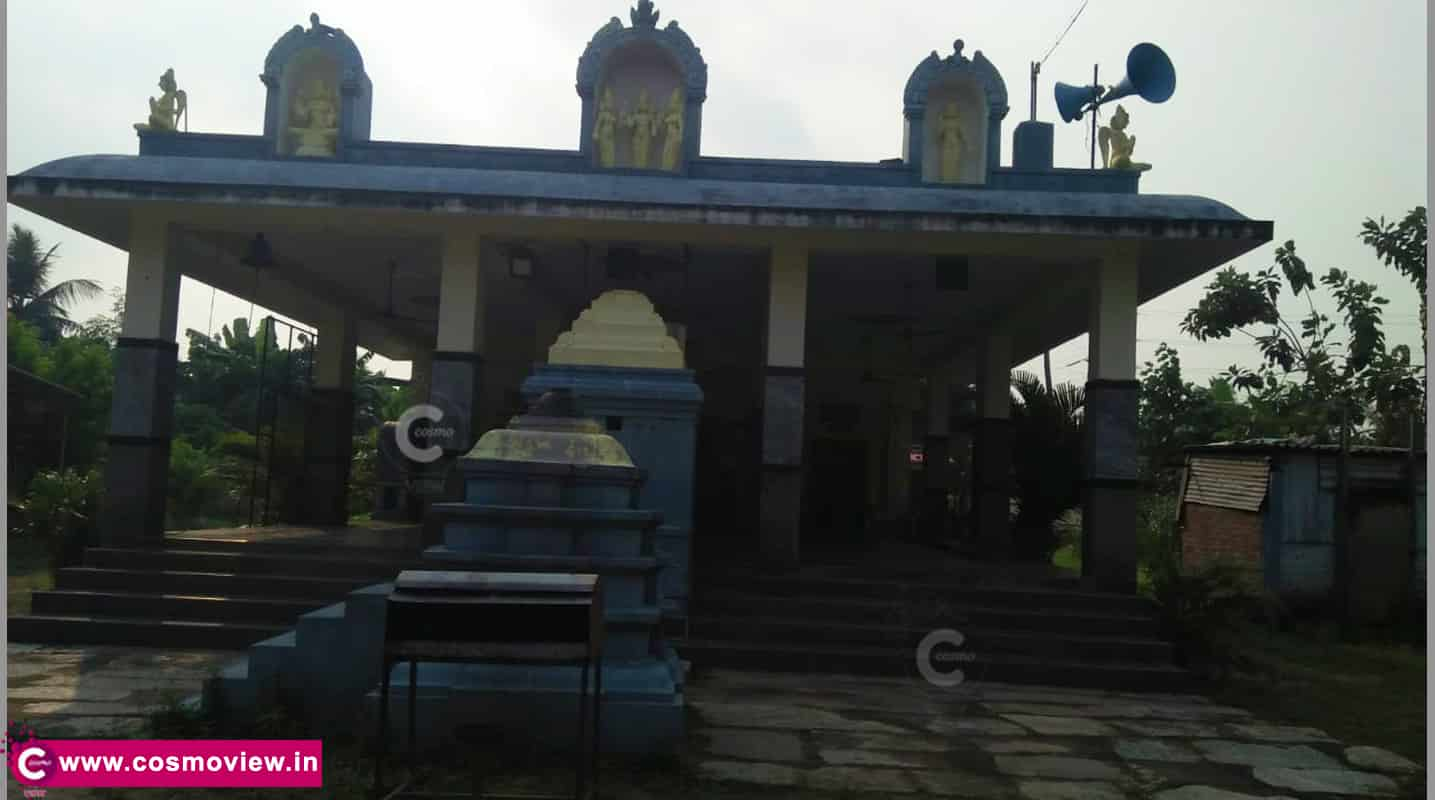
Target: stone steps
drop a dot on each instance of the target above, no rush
(819, 611)
(223, 584)
(141, 632)
(200, 591)
(1017, 633)
(906, 640)
(972, 591)
(199, 608)
(246, 562)
(989, 667)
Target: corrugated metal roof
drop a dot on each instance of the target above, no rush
(1227, 482)
(1302, 443)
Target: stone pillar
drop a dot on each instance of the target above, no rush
(780, 504)
(142, 411)
(936, 449)
(328, 431)
(1108, 522)
(457, 363)
(991, 446)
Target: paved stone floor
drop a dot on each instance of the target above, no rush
(905, 737)
(871, 737)
(80, 692)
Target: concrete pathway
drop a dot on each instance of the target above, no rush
(905, 737)
(96, 692)
(873, 737)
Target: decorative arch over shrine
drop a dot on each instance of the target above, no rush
(616, 52)
(976, 88)
(301, 66)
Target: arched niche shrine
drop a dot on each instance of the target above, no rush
(318, 95)
(642, 89)
(954, 107)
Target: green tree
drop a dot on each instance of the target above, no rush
(23, 346)
(1306, 379)
(1046, 459)
(1403, 246)
(30, 296)
(85, 366)
(106, 327)
(1174, 414)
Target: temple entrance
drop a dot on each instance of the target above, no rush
(835, 513)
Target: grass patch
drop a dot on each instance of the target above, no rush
(27, 569)
(1363, 693)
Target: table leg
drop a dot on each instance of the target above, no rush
(597, 717)
(413, 718)
(380, 748)
(581, 750)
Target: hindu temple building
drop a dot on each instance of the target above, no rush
(795, 326)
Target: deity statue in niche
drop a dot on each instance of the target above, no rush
(673, 130)
(605, 130)
(314, 120)
(644, 123)
(1116, 145)
(165, 112)
(951, 140)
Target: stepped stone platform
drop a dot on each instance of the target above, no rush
(550, 491)
(869, 614)
(220, 589)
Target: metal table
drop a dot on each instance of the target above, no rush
(494, 618)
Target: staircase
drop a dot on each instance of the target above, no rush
(204, 592)
(1047, 633)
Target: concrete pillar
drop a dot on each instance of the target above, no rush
(780, 504)
(142, 411)
(420, 376)
(936, 449)
(991, 445)
(899, 443)
(457, 362)
(328, 431)
(1108, 522)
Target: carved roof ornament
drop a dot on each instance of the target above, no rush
(644, 16)
(316, 27)
(612, 37)
(933, 68)
(326, 37)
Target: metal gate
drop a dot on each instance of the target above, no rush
(286, 375)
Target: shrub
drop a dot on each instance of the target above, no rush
(60, 507)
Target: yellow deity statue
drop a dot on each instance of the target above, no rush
(605, 131)
(951, 140)
(314, 120)
(673, 130)
(644, 123)
(1117, 146)
(165, 112)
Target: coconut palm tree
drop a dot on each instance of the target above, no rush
(30, 297)
(1046, 459)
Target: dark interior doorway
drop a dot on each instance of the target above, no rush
(834, 517)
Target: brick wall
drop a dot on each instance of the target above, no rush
(1212, 532)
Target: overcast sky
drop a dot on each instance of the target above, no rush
(1311, 114)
